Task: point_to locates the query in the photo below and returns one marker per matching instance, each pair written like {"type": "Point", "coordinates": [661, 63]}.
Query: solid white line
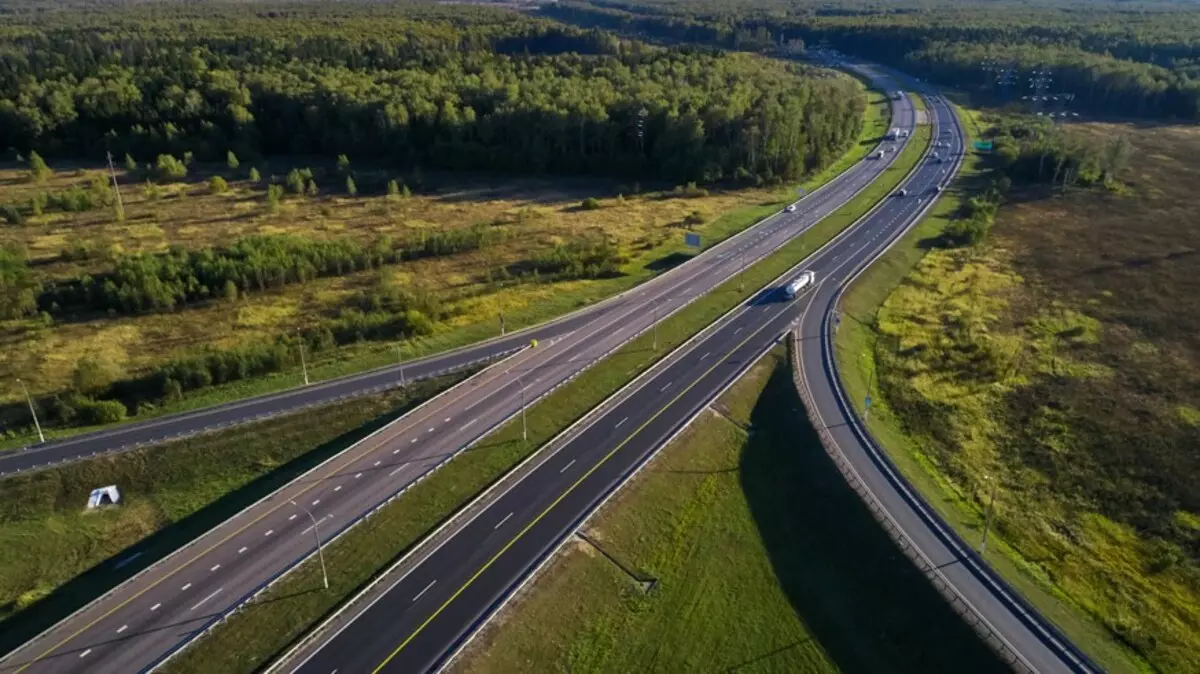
{"type": "Point", "coordinates": [501, 522]}
{"type": "Point", "coordinates": [185, 587]}
{"type": "Point", "coordinates": [621, 422]}
{"type": "Point", "coordinates": [215, 567]}
{"type": "Point", "coordinates": [84, 654]}
{"type": "Point", "coordinates": [242, 549]}
{"type": "Point", "coordinates": [155, 607]}
{"type": "Point", "coordinates": [425, 590]}
{"type": "Point", "coordinates": [201, 602]}
{"type": "Point", "coordinates": [122, 628]}
{"type": "Point", "coordinates": [564, 468]}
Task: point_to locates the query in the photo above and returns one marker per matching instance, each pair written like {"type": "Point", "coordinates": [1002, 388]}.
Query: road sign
{"type": "Point", "coordinates": [983, 145]}
{"type": "Point", "coordinates": [691, 239]}
{"type": "Point", "coordinates": [800, 191]}
{"type": "Point", "coordinates": [868, 402]}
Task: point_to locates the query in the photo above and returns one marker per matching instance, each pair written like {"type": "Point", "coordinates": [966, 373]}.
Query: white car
{"type": "Point", "coordinates": [791, 208]}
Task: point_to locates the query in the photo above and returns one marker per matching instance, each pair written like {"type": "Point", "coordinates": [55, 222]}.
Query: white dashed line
{"type": "Point", "coordinates": [705, 355]}
{"type": "Point", "coordinates": [338, 488]}
{"type": "Point", "coordinates": [357, 475]}
{"type": "Point", "coordinates": [665, 387]}
{"type": "Point", "coordinates": [429, 431]}
{"type": "Point", "coordinates": [469, 423]}
{"type": "Point", "coordinates": [269, 532]}
{"type": "Point", "coordinates": [316, 501]}
{"type": "Point", "coordinates": [431, 584]}
{"type": "Point", "coordinates": [501, 522]}
{"type": "Point", "coordinates": [621, 422]}
{"type": "Point", "coordinates": [447, 420]}
{"type": "Point", "coordinates": [292, 518]}
{"type": "Point", "coordinates": [84, 654]}
{"type": "Point", "coordinates": [155, 607]}
{"type": "Point", "coordinates": [215, 567]}
{"type": "Point", "coordinates": [242, 549]}
{"type": "Point", "coordinates": [413, 441]}
{"type": "Point", "coordinates": [185, 587]}
{"type": "Point", "coordinates": [397, 470]}
{"type": "Point", "coordinates": [377, 463]}
{"type": "Point", "coordinates": [569, 464]}
{"type": "Point", "coordinates": [122, 628]}
{"type": "Point", "coordinates": [201, 602]}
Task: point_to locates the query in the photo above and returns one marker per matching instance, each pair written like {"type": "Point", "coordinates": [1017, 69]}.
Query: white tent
{"type": "Point", "coordinates": [104, 496]}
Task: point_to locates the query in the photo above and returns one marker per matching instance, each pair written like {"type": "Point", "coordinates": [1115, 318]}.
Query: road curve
{"type": "Point", "coordinates": [430, 609]}
{"type": "Point", "coordinates": [156, 613]}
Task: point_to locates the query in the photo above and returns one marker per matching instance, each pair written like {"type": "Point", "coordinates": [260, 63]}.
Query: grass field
{"type": "Point", "coordinates": [764, 560]}
{"type": "Point", "coordinates": [265, 628]}
{"type": "Point", "coordinates": [1059, 358]}
{"type": "Point", "coordinates": [55, 556]}
{"type": "Point", "coordinates": [535, 214]}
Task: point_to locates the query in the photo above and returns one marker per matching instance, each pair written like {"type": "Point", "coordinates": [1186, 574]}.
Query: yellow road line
{"type": "Point", "coordinates": [568, 491]}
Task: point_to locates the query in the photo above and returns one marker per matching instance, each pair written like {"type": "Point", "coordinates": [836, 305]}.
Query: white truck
{"type": "Point", "coordinates": [878, 154]}
{"type": "Point", "coordinates": [804, 280]}
{"type": "Point", "coordinates": [893, 134]}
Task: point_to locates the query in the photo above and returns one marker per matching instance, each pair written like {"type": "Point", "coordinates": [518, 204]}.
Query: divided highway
{"type": "Point", "coordinates": [431, 608]}
{"type": "Point", "coordinates": [150, 617]}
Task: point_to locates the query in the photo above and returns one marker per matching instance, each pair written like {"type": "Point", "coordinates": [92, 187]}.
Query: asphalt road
{"type": "Point", "coordinates": [427, 612]}
{"type": "Point", "coordinates": [146, 619]}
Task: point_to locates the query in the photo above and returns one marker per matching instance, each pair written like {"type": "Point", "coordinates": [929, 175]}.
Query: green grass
{"type": "Point", "coordinates": [53, 551]}
{"type": "Point", "coordinates": [265, 628]}
{"type": "Point", "coordinates": [1088, 574]}
{"type": "Point", "coordinates": [523, 306]}
{"type": "Point", "coordinates": [764, 560]}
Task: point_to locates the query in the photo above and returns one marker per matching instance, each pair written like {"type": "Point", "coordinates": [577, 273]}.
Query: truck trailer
{"type": "Point", "coordinates": [804, 280]}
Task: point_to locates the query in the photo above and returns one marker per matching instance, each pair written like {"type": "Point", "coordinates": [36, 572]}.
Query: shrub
{"type": "Point", "coordinates": [218, 185]}
{"type": "Point", "coordinates": [231, 161]}
{"type": "Point", "coordinates": [694, 218]}
{"type": "Point", "coordinates": [590, 204]}
{"type": "Point", "coordinates": [38, 170]}
{"type": "Point", "coordinates": [13, 215]}
{"type": "Point", "coordinates": [167, 167]}
{"type": "Point", "coordinates": [254, 176]}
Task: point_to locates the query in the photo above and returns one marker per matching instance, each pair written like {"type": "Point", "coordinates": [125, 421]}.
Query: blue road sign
{"type": "Point", "coordinates": [692, 239]}
{"type": "Point", "coordinates": [868, 402]}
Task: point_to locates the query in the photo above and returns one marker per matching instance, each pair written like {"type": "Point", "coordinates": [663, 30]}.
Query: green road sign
{"type": "Point", "coordinates": [983, 145]}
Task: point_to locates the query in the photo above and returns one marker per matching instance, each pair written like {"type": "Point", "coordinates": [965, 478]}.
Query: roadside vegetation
{"type": "Point", "coordinates": [55, 555]}
{"type": "Point", "coordinates": [286, 611]}
{"type": "Point", "coordinates": [731, 522]}
{"type": "Point", "coordinates": [1051, 361]}
{"type": "Point", "coordinates": [271, 201]}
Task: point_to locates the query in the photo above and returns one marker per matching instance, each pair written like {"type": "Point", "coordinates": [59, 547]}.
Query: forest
{"type": "Point", "coordinates": [1119, 59]}
{"type": "Point", "coordinates": [416, 86]}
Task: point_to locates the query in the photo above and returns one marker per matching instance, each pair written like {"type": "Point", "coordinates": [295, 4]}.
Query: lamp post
{"type": "Point", "coordinates": [33, 412]}
{"type": "Point", "coordinates": [317, 536]}
{"type": "Point", "coordinates": [524, 425]}
{"type": "Point", "coordinates": [400, 362]}
{"type": "Point", "coordinates": [987, 520]}
{"type": "Point", "coordinates": [654, 303]}
{"type": "Point", "coordinates": [303, 364]}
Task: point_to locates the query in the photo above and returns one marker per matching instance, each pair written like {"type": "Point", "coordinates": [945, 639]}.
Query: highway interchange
{"type": "Point", "coordinates": [153, 615]}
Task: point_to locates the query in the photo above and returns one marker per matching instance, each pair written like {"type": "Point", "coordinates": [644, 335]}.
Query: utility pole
{"type": "Point", "coordinates": [33, 412]}
{"type": "Point", "coordinates": [654, 303]}
{"type": "Point", "coordinates": [987, 520]}
{"type": "Point", "coordinates": [303, 364]}
{"type": "Point", "coordinates": [116, 189]}
{"type": "Point", "coordinates": [400, 362]}
{"type": "Point", "coordinates": [742, 271]}
{"type": "Point", "coordinates": [524, 424]}
{"type": "Point", "coordinates": [317, 536]}
{"type": "Point", "coordinates": [501, 323]}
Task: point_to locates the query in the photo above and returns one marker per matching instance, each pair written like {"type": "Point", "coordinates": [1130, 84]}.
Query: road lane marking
{"type": "Point", "coordinates": [122, 628]}
{"type": "Point", "coordinates": [358, 475]}
{"type": "Point", "coordinates": [377, 463]}
{"type": "Point", "coordinates": [402, 467]}
{"type": "Point", "coordinates": [705, 355]}
{"type": "Point", "coordinates": [185, 587]}
{"type": "Point", "coordinates": [316, 502]}
{"type": "Point", "coordinates": [413, 441]}
{"type": "Point", "coordinates": [620, 422]}
{"type": "Point", "coordinates": [85, 653]}
{"type": "Point", "coordinates": [269, 532]}
{"type": "Point", "coordinates": [292, 518]}
{"type": "Point", "coordinates": [469, 423]}
{"type": "Point", "coordinates": [323, 518]}
{"type": "Point", "coordinates": [447, 420]}
{"type": "Point", "coordinates": [501, 522]}
{"type": "Point", "coordinates": [338, 488]}
{"type": "Point", "coordinates": [429, 431]}
{"type": "Point", "coordinates": [665, 387]}
{"type": "Point", "coordinates": [201, 602]}
{"type": "Point", "coordinates": [431, 583]}
{"type": "Point", "coordinates": [569, 464]}
{"type": "Point", "coordinates": [215, 567]}
{"type": "Point", "coordinates": [575, 485]}
{"type": "Point", "coordinates": [242, 549]}
{"type": "Point", "coordinates": [155, 607]}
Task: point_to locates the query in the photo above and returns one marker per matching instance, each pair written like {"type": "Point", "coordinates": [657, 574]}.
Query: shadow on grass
{"type": "Point", "coordinates": [859, 596]}
{"type": "Point", "coordinates": [669, 261]}
{"type": "Point", "coordinates": [115, 570]}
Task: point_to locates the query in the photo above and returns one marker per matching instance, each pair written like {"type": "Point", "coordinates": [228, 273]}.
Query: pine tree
{"type": "Point", "coordinates": [351, 188]}
{"type": "Point", "coordinates": [343, 163]}
{"type": "Point", "coordinates": [231, 161]}
{"type": "Point", "coordinates": [38, 170]}
{"type": "Point", "coordinates": [255, 177]}
{"type": "Point", "coordinates": [393, 190]}
{"type": "Point", "coordinates": [130, 164]}
{"type": "Point", "coordinates": [311, 188]}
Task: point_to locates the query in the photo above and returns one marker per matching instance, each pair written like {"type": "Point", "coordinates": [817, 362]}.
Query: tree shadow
{"type": "Point", "coordinates": [118, 568]}
{"type": "Point", "coordinates": [666, 262]}
{"type": "Point", "coordinates": [857, 593]}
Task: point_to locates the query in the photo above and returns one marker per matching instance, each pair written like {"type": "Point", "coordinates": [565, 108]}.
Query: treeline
{"type": "Point", "coordinates": [1112, 62]}
{"type": "Point", "coordinates": [497, 91]}
{"type": "Point", "coordinates": [155, 282]}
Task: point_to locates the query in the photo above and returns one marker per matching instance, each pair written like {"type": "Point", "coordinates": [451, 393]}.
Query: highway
{"type": "Point", "coordinates": [418, 619]}
{"type": "Point", "coordinates": [156, 613]}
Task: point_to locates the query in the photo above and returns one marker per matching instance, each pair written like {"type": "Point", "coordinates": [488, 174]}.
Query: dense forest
{"type": "Point", "coordinates": [468, 89]}
{"type": "Point", "coordinates": [1108, 58]}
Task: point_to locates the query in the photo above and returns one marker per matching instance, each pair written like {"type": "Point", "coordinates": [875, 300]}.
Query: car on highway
{"type": "Point", "coordinates": [804, 280]}
{"type": "Point", "coordinates": [791, 208]}
{"type": "Point", "coordinates": [902, 193]}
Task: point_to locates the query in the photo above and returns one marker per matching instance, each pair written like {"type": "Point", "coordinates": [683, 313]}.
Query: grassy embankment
{"type": "Point", "coordinates": [1067, 378]}
{"type": "Point", "coordinates": [536, 214]}
{"type": "Point", "coordinates": [265, 628]}
{"type": "Point", "coordinates": [54, 551]}
{"type": "Point", "coordinates": [764, 560]}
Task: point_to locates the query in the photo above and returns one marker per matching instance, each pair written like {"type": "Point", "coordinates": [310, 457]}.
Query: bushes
{"type": "Point", "coordinates": [217, 185]}
{"type": "Point", "coordinates": [590, 204]}
{"type": "Point", "coordinates": [579, 259]}
{"type": "Point", "coordinates": [167, 167]}
{"type": "Point", "coordinates": [13, 215]}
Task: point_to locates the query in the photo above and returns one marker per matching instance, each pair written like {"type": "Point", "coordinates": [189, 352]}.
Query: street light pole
{"type": "Point", "coordinates": [742, 272]}
{"type": "Point", "coordinates": [654, 303]}
{"type": "Point", "coordinates": [400, 361]}
{"type": "Point", "coordinates": [303, 364]}
{"type": "Point", "coordinates": [524, 425]}
{"type": "Point", "coordinates": [987, 520]}
{"type": "Point", "coordinates": [317, 536]}
{"type": "Point", "coordinates": [28, 399]}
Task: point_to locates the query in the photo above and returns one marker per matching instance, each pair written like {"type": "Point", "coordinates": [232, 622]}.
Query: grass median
{"type": "Point", "coordinates": [265, 628]}
{"type": "Point", "coordinates": [764, 560]}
